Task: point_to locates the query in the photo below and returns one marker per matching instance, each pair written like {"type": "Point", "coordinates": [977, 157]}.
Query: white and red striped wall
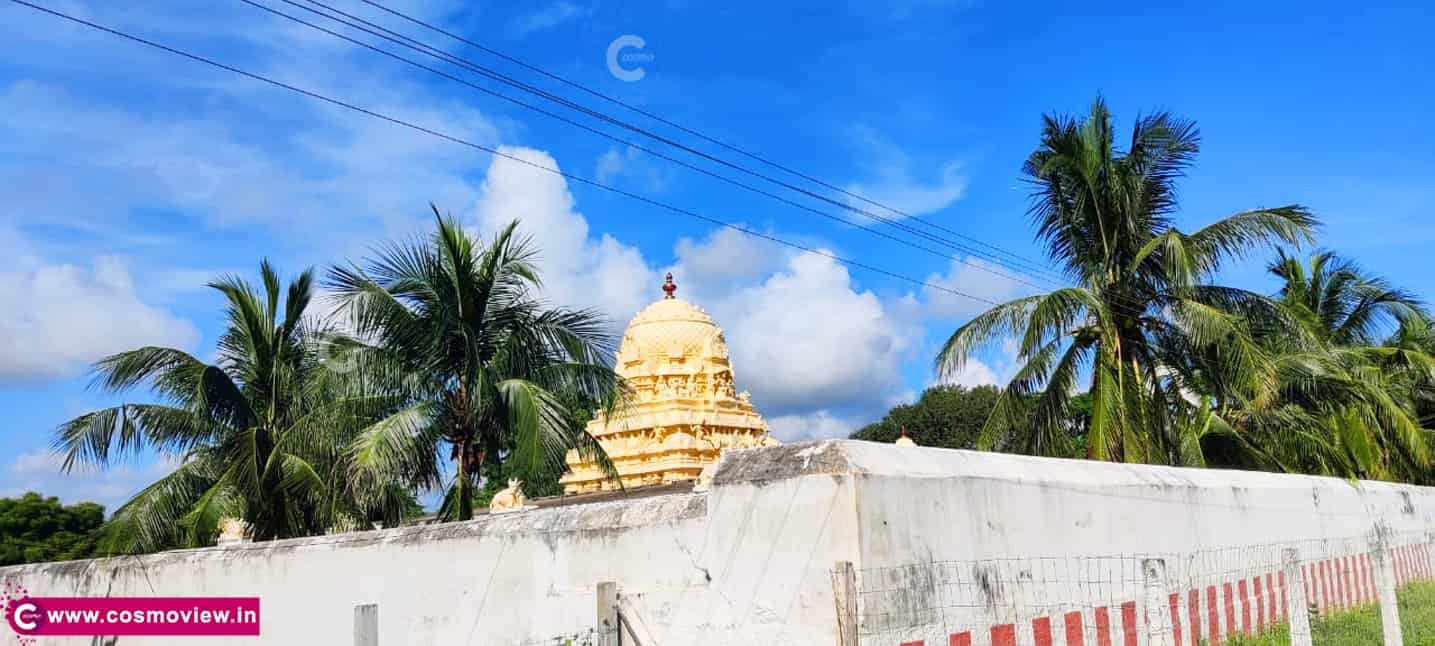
{"type": "Point", "coordinates": [1212, 613]}
{"type": "Point", "coordinates": [986, 517]}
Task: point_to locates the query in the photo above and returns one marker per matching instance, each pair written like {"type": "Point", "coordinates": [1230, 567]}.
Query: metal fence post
{"type": "Point", "coordinates": [607, 614]}
{"type": "Point", "coordinates": [1385, 587]}
{"type": "Point", "coordinates": [1297, 606]}
{"type": "Point", "coordinates": [1159, 631]}
{"type": "Point", "coordinates": [844, 594]}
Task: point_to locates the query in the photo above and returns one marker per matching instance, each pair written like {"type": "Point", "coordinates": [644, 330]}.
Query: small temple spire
{"type": "Point", "coordinates": [669, 287]}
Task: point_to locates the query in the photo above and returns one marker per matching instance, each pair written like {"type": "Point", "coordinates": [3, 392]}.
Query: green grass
{"type": "Point", "coordinates": [1362, 627]}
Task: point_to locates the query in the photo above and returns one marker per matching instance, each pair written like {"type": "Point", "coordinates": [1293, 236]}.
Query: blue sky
{"type": "Point", "coordinates": [130, 177]}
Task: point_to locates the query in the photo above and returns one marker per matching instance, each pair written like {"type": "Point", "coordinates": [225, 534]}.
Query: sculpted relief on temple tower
{"type": "Point", "coordinates": [685, 408]}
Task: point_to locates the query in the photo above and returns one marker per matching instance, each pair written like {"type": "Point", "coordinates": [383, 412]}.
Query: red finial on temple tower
{"type": "Point", "coordinates": [669, 287]}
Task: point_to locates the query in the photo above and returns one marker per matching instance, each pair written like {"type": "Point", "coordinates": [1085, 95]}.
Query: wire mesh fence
{"type": "Point", "coordinates": [1234, 595]}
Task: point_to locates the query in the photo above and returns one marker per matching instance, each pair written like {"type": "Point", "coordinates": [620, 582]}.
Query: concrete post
{"type": "Point", "coordinates": [1159, 631]}
{"type": "Point", "coordinates": [1384, 564]}
{"type": "Point", "coordinates": [366, 625]}
{"type": "Point", "coordinates": [1428, 556]}
{"type": "Point", "coordinates": [844, 594]}
{"type": "Point", "coordinates": [1298, 613]}
{"type": "Point", "coordinates": [607, 614]}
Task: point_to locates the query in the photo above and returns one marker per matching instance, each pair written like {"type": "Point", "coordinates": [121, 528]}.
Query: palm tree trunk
{"type": "Point", "coordinates": [1098, 435]}
{"type": "Point", "coordinates": [463, 445]}
{"type": "Point", "coordinates": [465, 482]}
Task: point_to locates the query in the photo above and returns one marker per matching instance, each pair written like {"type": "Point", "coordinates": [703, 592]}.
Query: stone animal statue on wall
{"type": "Point", "coordinates": [234, 530]}
{"type": "Point", "coordinates": [510, 499]}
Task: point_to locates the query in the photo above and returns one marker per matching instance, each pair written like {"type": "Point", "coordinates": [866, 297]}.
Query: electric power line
{"type": "Point", "coordinates": [429, 50]}
{"type": "Point", "coordinates": [685, 129]}
{"type": "Point", "coordinates": [1128, 305]}
{"type": "Point", "coordinates": [441, 135]}
{"type": "Point", "coordinates": [587, 128]}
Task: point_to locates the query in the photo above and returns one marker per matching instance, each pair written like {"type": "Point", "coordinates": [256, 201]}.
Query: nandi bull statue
{"type": "Point", "coordinates": [510, 499]}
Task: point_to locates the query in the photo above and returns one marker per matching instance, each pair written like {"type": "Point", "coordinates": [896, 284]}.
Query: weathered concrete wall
{"type": "Point", "coordinates": [745, 563]}
{"type": "Point", "coordinates": [955, 541]}
{"type": "Point", "coordinates": [944, 542]}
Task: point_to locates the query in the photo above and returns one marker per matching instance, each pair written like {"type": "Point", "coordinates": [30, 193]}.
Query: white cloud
{"type": "Point", "coordinates": [352, 174]}
{"type": "Point", "coordinates": [804, 337]}
{"type": "Point", "coordinates": [224, 150]}
{"type": "Point", "coordinates": [893, 181]}
{"type": "Point", "coordinates": [37, 462]}
{"type": "Point", "coordinates": [994, 367]}
{"type": "Point", "coordinates": [975, 373]}
{"type": "Point", "coordinates": [610, 164]}
{"type": "Point", "coordinates": [550, 16]}
{"type": "Point", "coordinates": [726, 255]}
{"type": "Point", "coordinates": [39, 471]}
{"type": "Point", "coordinates": [976, 278]}
{"type": "Point", "coordinates": [632, 165]}
{"type": "Point", "coordinates": [57, 318]}
{"type": "Point", "coordinates": [817, 425]}
{"type": "Point", "coordinates": [577, 270]}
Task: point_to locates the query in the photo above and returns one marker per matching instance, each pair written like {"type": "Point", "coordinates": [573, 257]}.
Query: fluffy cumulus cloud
{"type": "Point", "coordinates": [816, 348]}
{"type": "Point", "coordinates": [725, 256]}
{"type": "Point", "coordinates": [806, 340]}
{"type": "Point", "coordinates": [57, 318]}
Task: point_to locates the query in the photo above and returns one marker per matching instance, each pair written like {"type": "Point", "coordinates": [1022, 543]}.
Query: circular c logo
{"type": "Point", "coordinates": [25, 617]}
{"type": "Point", "coordinates": [615, 51]}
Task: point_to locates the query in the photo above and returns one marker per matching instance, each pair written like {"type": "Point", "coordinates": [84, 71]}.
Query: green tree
{"type": "Point", "coordinates": [952, 417]}
{"type": "Point", "coordinates": [449, 327]}
{"type": "Point", "coordinates": [1106, 216]}
{"type": "Point", "coordinates": [945, 416]}
{"type": "Point", "coordinates": [34, 529]}
{"type": "Point", "coordinates": [1338, 302]}
{"type": "Point", "coordinates": [1342, 403]}
{"type": "Point", "coordinates": [259, 432]}
{"type": "Point", "coordinates": [1417, 335]}
{"type": "Point", "coordinates": [541, 484]}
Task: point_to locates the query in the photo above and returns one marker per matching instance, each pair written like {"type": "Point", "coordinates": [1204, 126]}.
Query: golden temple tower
{"type": "Point", "coordinates": [684, 410]}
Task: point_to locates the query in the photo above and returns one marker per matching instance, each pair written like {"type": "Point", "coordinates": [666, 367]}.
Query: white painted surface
{"type": "Point", "coordinates": [750, 561]}
{"type": "Point", "coordinates": [516, 578]}
{"type": "Point", "coordinates": [1059, 536]}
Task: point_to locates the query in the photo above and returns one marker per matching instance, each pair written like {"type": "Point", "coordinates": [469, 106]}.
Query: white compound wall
{"type": "Point", "coordinates": [950, 547]}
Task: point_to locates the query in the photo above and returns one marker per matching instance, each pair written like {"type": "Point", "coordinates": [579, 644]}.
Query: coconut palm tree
{"type": "Point", "coordinates": [258, 433]}
{"type": "Point", "coordinates": [1338, 404]}
{"type": "Point", "coordinates": [1338, 302]}
{"type": "Point", "coordinates": [1416, 338]}
{"type": "Point", "coordinates": [484, 371]}
{"type": "Point", "coordinates": [1141, 295]}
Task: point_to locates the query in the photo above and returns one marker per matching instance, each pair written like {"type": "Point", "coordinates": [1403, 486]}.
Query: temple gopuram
{"type": "Point", "coordinates": [684, 410]}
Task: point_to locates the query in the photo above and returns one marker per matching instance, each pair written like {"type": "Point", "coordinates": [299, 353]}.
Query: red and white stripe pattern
{"type": "Point", "coordinates": [1101, 626]}
{"type": "Point", "coordinates": [1213, 613]}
